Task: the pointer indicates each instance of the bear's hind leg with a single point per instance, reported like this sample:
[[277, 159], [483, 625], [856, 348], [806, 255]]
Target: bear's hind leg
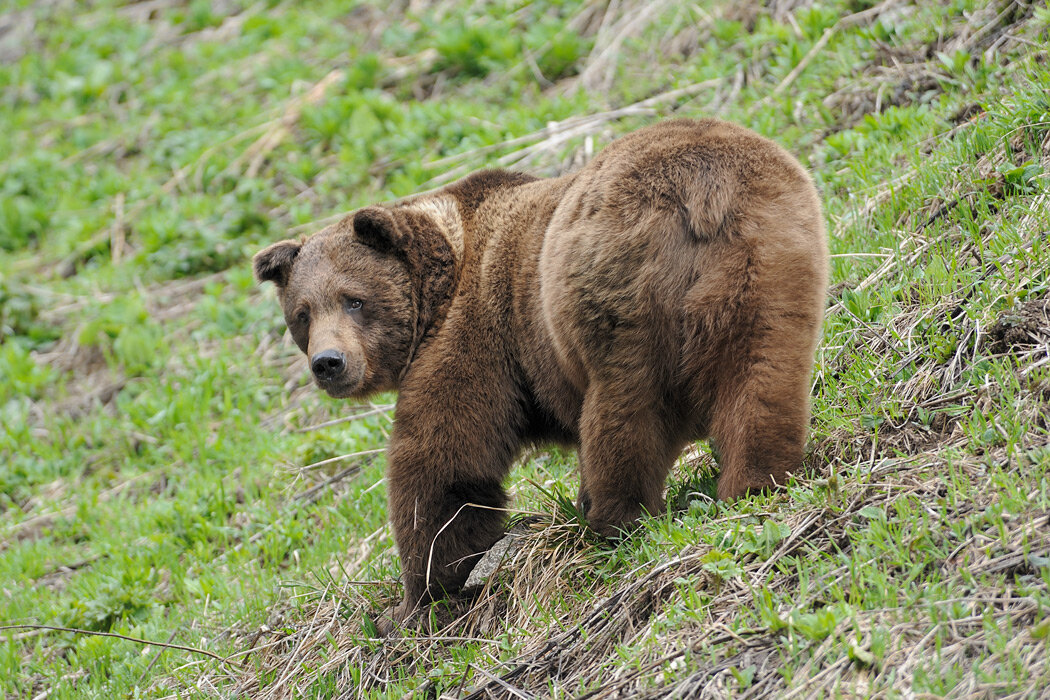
[[759, 420], [625, 455]]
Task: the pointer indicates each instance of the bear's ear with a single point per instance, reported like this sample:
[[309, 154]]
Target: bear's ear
[[377, 228], [274, 264]]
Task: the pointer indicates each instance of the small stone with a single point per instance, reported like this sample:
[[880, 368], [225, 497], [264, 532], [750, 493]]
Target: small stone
[[503, 549]]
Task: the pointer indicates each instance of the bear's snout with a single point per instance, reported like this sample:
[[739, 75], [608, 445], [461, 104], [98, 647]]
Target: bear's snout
[[339, 372], [328, 364]]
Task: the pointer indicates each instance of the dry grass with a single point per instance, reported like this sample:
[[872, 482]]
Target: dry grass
[[579, 649]]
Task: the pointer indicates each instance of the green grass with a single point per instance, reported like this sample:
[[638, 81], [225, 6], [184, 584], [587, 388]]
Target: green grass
[[151, 457]]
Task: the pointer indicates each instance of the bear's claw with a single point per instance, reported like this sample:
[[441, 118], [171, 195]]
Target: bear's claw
[[395, 618]]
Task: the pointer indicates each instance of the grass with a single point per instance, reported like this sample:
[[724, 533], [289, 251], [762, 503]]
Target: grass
[[168, 473]]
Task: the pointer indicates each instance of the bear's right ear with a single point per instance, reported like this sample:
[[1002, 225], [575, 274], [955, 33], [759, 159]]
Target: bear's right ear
[[274, 263], [377, 228]]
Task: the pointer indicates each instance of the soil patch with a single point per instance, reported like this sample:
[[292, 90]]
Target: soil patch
[[1023, 327]]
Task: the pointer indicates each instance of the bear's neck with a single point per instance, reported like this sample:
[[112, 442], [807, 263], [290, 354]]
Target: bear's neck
[[434, 259]]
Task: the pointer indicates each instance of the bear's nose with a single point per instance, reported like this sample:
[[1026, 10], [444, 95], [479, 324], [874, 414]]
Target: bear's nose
[[328, 364]]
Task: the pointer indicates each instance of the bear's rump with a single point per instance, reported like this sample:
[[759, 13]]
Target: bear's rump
[[612, 290]]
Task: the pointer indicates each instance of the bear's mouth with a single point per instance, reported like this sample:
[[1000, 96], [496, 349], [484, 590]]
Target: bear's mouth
[[342, 386]]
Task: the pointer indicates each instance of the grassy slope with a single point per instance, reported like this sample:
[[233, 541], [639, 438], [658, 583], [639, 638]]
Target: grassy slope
[[152, 479]]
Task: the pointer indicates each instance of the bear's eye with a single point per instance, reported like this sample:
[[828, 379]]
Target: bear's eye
[[303, 317], [353, 304]]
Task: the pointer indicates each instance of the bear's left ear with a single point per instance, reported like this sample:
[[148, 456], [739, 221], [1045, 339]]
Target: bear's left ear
[[274, 263], [377, 228]]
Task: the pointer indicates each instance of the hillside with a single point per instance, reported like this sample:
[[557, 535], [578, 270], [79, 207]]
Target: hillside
[[183, 514]]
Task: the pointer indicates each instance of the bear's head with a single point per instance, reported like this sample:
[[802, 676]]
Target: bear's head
[[359, 295]]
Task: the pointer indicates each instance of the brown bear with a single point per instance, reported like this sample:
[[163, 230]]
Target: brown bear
[[671, 290]]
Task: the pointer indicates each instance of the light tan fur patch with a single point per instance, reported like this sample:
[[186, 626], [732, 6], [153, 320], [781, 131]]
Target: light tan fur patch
[[445, 212]]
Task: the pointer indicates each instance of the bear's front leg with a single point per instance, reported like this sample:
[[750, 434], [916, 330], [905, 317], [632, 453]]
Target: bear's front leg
[[442, 528], [454, 440]]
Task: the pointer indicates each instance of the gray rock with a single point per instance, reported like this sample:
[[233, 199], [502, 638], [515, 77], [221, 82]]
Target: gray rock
[[505, 548]]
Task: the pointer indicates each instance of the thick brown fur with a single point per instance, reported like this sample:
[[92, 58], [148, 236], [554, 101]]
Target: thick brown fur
[[669, 291]]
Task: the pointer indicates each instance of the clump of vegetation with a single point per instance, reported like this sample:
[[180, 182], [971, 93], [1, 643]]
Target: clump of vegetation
[[169, 475]]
